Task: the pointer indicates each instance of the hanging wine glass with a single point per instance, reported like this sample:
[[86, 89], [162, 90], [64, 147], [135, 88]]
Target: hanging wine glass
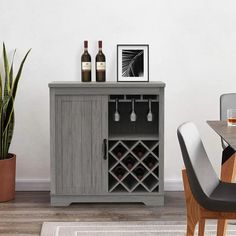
[[133, 116], [117, 114], [149, 115]]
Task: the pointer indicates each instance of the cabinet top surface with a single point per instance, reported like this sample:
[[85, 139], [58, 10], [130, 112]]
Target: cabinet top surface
[[74, 84]]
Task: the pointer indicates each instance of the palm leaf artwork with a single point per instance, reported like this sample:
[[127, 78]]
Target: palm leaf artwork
[[132, 63], [7, 98]]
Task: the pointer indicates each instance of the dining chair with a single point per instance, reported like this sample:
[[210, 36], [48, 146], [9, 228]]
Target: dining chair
[[206, 196]]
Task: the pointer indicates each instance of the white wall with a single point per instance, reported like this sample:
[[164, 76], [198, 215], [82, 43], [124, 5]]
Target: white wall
[[192, 49]]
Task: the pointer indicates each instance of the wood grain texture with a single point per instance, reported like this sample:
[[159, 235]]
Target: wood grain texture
[[25, 215], [79, 161], [193, 209]]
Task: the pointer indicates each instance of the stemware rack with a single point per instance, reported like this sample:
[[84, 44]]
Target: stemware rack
[[138, 98]]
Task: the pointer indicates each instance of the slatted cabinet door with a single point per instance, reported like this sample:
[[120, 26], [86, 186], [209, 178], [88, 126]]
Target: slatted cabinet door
[[81, 127]]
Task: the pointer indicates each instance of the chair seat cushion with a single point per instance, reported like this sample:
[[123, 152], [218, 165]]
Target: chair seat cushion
[[223, 198]]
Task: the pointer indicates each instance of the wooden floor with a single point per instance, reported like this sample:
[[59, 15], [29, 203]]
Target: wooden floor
[[25, 215]]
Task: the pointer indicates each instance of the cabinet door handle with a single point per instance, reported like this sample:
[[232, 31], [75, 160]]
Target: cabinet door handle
[[104, 148]]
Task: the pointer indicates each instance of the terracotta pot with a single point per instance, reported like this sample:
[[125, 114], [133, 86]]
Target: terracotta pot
[[7, 178]]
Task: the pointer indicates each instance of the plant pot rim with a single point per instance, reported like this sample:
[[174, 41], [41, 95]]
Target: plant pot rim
[[10, 156]]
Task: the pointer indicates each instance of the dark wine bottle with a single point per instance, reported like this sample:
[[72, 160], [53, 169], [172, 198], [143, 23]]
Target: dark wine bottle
[[119, 172], [86, 64], [129, 162], [119, 154], [140, 154], [100, 64], [150, 162], [119, 151], [139, 172]]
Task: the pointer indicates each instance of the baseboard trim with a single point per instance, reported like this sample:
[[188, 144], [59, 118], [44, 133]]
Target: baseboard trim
[[44, 185], [173, 185], [32, 185]]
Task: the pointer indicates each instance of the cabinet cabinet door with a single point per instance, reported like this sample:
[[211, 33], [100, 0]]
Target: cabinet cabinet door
[[81, 127]]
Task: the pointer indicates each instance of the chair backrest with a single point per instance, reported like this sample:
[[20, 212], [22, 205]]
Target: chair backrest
[[227, 101], [201, 175]]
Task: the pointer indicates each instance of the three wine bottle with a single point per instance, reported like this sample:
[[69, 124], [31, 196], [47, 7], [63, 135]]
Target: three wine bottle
[[86, 66]]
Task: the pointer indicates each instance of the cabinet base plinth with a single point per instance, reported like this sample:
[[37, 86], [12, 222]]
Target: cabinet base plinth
[[66, 200]]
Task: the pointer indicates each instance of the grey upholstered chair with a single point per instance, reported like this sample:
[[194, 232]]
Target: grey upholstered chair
[[206, 196]]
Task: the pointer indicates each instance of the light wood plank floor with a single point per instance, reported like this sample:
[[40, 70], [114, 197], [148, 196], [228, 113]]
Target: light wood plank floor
[[25, 215]]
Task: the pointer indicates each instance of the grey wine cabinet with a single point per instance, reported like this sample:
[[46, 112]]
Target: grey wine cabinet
[[99, 157]]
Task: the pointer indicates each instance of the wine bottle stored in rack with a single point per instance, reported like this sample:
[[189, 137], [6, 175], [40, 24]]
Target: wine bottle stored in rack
[[150, 162], [139, 172], [119, 172], [129, 162]]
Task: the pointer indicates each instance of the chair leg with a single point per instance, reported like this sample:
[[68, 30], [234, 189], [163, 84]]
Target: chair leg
[[191, 224], [221, 227], [201, 227], [193, 211]]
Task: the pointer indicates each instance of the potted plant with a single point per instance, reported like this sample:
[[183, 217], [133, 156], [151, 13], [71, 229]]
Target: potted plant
[[8, 89]]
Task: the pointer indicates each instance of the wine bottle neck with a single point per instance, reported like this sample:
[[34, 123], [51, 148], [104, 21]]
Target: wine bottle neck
[[100, 45]]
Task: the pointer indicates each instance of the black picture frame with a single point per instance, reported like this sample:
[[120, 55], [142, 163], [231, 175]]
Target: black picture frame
[[132, 63]]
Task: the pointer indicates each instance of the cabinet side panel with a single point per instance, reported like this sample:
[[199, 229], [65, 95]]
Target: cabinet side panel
[[52, 139], [57, 158], [161, 142]]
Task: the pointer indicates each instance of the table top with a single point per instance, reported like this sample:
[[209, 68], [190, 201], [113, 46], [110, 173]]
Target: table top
[[228, 133]]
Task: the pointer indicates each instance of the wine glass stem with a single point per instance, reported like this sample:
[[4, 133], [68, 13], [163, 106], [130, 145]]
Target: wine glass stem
[[116, 104]]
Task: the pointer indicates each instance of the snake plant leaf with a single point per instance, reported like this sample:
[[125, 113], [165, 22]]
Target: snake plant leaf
[[10, 131], [6, 67], [0, 90], [11, 70], [6, 126], [15, 83], [8, 113]]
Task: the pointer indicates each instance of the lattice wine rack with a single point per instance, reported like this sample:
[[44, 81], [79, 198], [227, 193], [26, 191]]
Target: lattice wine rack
[[133, 166]]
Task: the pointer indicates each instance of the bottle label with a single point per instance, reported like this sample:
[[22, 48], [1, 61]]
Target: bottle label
[[101, 65], [86, 65]]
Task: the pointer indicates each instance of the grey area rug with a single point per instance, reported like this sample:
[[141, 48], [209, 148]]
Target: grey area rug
[[139, 228]]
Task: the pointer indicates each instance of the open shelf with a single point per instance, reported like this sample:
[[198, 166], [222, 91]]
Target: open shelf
[[133, 137], [131, 130]]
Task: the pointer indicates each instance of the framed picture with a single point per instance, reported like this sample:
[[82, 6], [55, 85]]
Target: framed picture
[[132, 63]]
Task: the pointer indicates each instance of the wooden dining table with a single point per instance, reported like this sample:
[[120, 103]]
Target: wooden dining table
[[228, 166]]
